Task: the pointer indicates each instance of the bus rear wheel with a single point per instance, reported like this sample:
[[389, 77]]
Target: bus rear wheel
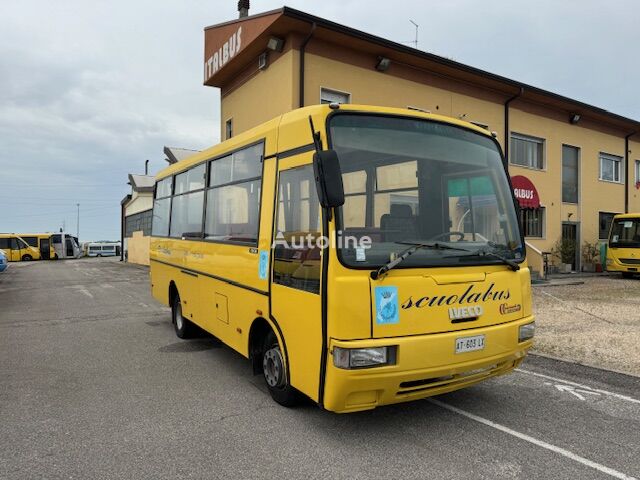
[[183, 327], [27, 258], [275, 374]]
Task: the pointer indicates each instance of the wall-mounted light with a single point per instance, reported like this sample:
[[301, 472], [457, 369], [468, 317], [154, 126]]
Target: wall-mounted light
[[383, 64], [574, 118], [263, 60], [275, 43]]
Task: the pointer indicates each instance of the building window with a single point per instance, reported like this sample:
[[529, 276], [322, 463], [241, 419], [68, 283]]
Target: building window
[[637, 173], [527, 151], [228, 129], [604, 224], [610, 167], [334, 96], [570, 156], [532, 221], [138, 222]]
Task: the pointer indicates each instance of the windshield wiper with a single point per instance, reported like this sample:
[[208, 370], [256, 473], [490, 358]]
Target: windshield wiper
[[486, 253], [410, 251]]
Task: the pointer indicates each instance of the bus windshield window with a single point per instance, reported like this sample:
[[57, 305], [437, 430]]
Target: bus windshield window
[[625, 232], [417, 181]]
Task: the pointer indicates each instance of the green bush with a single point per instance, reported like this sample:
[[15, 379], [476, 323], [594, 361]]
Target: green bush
[[565, 250]]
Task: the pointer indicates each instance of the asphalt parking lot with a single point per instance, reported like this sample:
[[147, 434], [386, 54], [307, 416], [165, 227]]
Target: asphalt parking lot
[[94, 384]]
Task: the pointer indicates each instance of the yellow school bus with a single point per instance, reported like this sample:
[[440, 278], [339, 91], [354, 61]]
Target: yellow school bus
[[42, 242], [357, 255], [623, 252], [17, 249]]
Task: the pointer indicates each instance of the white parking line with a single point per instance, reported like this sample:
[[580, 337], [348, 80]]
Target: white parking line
[[535, 441], [579, 385]]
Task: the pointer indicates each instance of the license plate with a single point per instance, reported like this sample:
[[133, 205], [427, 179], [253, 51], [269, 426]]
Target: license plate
[[469, 344]]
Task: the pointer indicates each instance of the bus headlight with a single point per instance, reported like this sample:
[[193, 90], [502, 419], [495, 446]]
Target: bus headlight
[[349, 358], [526, 331]]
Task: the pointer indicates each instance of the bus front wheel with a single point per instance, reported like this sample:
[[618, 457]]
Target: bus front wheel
[[26, 258], [182, 326], [275, 373]]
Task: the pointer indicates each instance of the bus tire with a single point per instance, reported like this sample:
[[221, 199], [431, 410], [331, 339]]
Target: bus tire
[[275, 374], [627, 275], [27, 258], [183, 327]]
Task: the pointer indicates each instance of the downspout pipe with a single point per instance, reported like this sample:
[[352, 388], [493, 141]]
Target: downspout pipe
[[506, 127], [626, 171], [303, 47], [122, 232]]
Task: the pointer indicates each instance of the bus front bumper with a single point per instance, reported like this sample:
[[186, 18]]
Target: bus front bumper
[[615, 265], [426, 365]]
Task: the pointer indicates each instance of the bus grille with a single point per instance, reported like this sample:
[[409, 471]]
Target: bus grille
[[630, 261], [471, 376]]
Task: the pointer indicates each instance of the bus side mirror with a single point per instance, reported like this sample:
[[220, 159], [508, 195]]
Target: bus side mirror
[[328, 176]]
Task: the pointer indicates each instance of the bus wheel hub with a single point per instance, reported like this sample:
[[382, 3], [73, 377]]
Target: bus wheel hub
[[273, 367]]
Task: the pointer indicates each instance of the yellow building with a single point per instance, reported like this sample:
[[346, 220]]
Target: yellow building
[[573, 165], [136, 219]]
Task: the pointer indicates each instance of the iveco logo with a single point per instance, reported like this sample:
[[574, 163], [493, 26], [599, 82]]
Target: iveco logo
[[461, 313]]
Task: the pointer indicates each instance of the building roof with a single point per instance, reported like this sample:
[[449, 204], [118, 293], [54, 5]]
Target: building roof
[[141, 183], [175, 154], [287, 20]]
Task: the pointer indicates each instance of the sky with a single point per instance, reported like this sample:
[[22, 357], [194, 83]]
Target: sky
[[91, 89]]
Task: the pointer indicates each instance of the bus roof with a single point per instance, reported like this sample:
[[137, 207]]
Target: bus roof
[[301, 114], [627, 215], [34, 234]]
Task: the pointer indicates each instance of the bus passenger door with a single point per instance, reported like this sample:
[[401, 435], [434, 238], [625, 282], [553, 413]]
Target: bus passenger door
[[45, 248], [15, 255], [296, 272]]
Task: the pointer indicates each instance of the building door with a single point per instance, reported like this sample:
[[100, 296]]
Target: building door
[[570, 235], [45, 248]]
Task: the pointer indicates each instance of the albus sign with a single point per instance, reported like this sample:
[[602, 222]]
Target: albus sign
[[525, 191]]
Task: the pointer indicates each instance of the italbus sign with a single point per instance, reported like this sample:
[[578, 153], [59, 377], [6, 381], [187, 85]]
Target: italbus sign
[[225, 43], [225, 53]]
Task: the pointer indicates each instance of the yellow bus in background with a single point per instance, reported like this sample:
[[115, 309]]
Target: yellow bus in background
[[17, 249], [623, 249], [357, 255], [42, 242]]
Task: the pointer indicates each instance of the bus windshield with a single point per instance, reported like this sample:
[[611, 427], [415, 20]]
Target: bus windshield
[[415, 181], [625, 232]]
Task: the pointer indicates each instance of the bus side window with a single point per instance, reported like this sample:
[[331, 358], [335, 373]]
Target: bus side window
[[297, 255]]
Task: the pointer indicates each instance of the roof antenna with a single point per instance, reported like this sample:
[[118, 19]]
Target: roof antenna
[[415, 42], [243, 8]]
